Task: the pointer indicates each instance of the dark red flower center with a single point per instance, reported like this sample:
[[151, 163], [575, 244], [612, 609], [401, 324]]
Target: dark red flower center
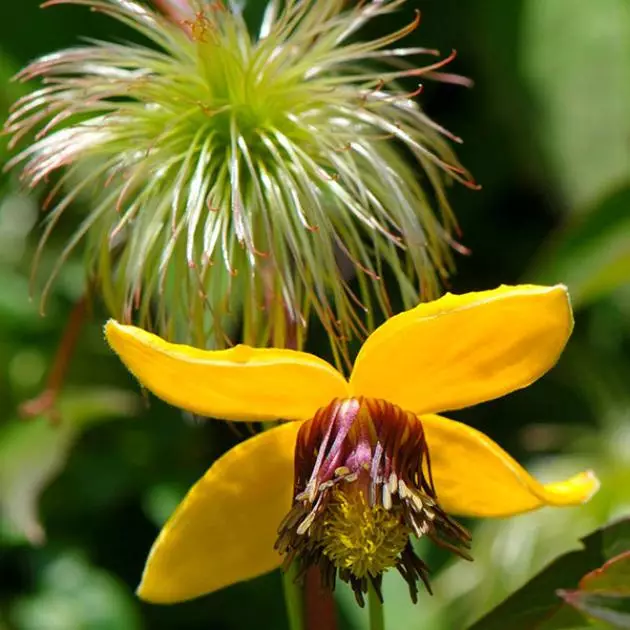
[[362, 486]]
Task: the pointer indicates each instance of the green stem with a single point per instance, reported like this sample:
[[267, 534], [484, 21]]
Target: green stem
[[377, 618], [294, 598]]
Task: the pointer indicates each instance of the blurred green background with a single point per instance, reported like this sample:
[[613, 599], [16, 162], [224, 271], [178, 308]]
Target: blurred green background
[[547, 135]]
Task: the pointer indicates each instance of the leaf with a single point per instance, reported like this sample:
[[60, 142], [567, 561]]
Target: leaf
[[611, 608], [33, 452], [603, 594], [536, 604], [592, 254], [613, 576], [576, 59]]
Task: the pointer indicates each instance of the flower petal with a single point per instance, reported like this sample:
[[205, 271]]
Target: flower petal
[[225, 529], [474, 476], [464, 349], [241, 383]]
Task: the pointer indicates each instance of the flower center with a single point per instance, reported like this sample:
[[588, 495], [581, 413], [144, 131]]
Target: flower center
[[365, 539], [362, 486]]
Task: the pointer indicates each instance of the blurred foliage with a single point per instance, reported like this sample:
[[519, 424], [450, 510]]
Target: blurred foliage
[[600, 567], [547, 134], [76, 595], [576, 59], [591, 255], [33, 452]]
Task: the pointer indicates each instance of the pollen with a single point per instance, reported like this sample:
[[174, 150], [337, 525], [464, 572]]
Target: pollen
[[364, 539]]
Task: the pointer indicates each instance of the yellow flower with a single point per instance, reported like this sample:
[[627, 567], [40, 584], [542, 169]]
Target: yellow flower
[[348, 482]]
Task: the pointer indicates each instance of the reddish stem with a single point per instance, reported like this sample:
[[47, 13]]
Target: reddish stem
[[45, 403], [319, 603]]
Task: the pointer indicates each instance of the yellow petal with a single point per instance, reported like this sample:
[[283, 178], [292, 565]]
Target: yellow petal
[[241, 383], [224, 530], [464, 349], [474, 476]]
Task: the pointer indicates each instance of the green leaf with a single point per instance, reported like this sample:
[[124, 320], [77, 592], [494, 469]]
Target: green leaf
[[603, 594], [613, 576], [611, 608], [536, 605], [576, 59], [592, 254]]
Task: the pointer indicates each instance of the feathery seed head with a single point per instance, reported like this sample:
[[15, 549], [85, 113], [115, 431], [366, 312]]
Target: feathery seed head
[[234, 173]]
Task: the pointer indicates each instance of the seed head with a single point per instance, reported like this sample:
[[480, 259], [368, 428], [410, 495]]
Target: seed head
[[275, 175]]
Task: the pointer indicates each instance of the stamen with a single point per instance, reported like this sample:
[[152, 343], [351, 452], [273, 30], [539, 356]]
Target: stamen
[[363, 485]]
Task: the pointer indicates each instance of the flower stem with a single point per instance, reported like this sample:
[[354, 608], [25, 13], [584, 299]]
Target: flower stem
[[44, 403], [294, 598], [375, 606], [319, 602]]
